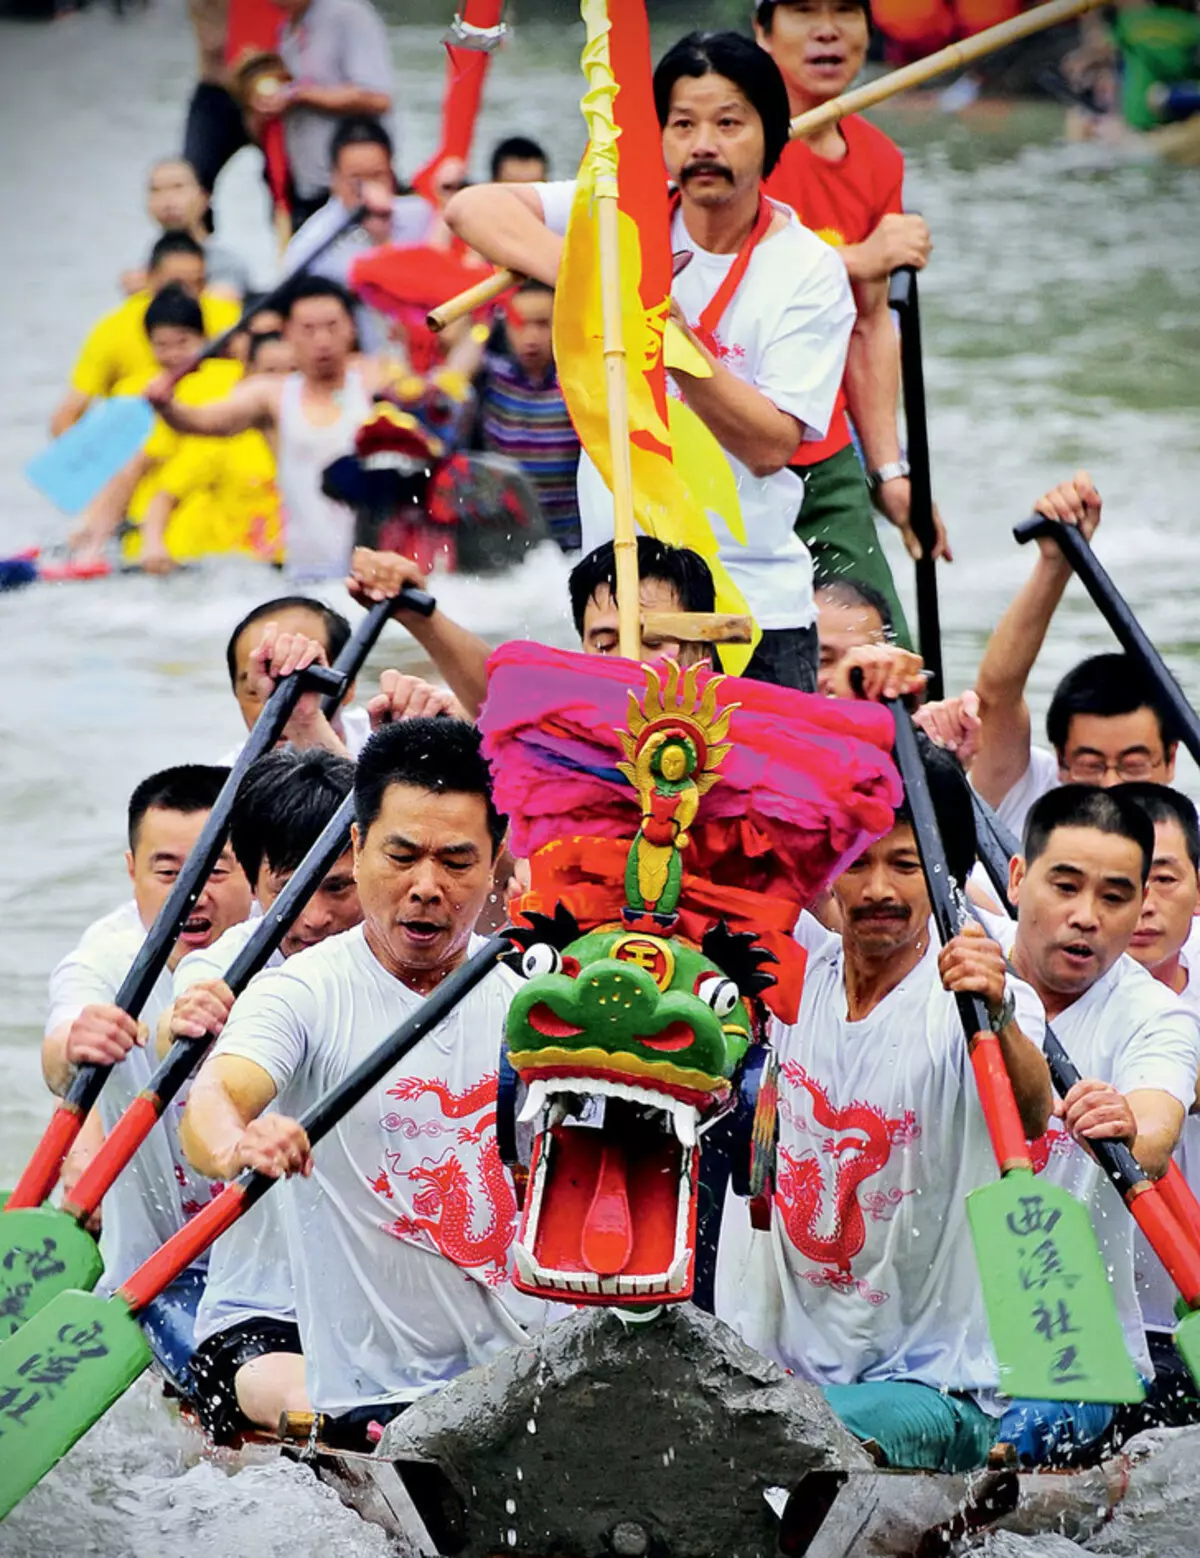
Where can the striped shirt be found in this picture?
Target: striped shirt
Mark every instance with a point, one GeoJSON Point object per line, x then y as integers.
{"type": "Point", "coordinates": [529, 423]}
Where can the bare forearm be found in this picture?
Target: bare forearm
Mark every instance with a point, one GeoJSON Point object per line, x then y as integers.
{"type": "Point", "coordinates": [873, 386]}
{"type": "Point", "coordinates": [1159, 1120]}
{"type": "Point", "coordinates": [742, 420]}
{"type": "Point", "coordinates": [1019, 636]}
{"type": "Point", "coordinates": [1030, 1077]}
{"type": "Point", "coordinates": [56, 1068]}
{"type": "Point", "coordinates": [345, 98]}
{"type": "Point", "coordinates": [503, 227]}
{"type": "Point", "coordinates": [212, 1126]}
{"type": "Point", "coordinates": [860, 263]}
{"type": "Point", "coordinates": [68, 411]}
{"type": "Point", "coordinates": [459, 655]}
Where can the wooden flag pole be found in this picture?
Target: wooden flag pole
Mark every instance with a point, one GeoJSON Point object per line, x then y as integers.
{"type": "Point", "coordinates": [629, 628]}
{"type": "Point", "coordinates": [854, 102]}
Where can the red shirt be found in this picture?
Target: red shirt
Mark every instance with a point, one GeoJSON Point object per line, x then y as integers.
{"type": "Point", "coordinates": [842, 202]}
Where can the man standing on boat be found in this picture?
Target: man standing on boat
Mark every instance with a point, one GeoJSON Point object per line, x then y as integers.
{"type": "Point", "coordinates": [845, 183]}
{"type": "Point", "coordinates": [310, 416]}
{"type": "Point", "coordinates": [768, 304]}
{"type": "Point", "coordinates": [399, 1229]}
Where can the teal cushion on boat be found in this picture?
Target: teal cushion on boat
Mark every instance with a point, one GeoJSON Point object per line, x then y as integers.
{"type": "Point", "coordinates": [915, 1426]}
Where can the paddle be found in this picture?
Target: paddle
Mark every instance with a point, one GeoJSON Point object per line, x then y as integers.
{"type": "Point", "coordinates": [902, 297]}
{"type": "Point", "coordinates": [72, 470]}
{"type": "Point", "coordinates": [1113, 608]}
{"type": "Point", "coordinates": [366, 634]}
{"type": "Point", "coordinates": [72, 1361]}
{"type": "Point", "coordinates": [41, 1174]}
{"type": "Point", "coordinates": [43, 1252]}
{"type": "Point", "coordinates": [1167, 1234]}
{"type": "Point", "coordinates": [995, 848]}
{"type": "Point", "coordinates": [1050, 1309]}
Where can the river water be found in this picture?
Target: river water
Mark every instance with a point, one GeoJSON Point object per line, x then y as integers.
{"type": "Point", "coordinates": [1062, 328]}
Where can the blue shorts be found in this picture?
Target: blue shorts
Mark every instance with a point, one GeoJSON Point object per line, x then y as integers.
{"type": "Point", "coordinates": [1047, 1431]}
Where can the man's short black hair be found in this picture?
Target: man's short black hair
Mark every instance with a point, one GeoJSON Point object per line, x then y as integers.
{"type": "Point", "coordinates": [315, 287]}
{"type": "Point", "coordinates": [283, 806]}
{"type": "Point", "coordinates": [173, 306]}
{"type": "Point", "coordinates": [853, 592]}
{"type": "Point", "coordinates": [531, 284]}
{"type": "Point", "coordinates": [764, 13]}
{"type": "Point", "coordinates": [1088, 806]}
{"type": "Point", "coordinates": [358, 130]}
{"type": "Point", "coordinates": [337, 629]}
{"type": "Point", "coordinates": [174, 242]}
{"type": "Point", "coordinates": [677, 566]}
{"type": "Point", "coordinates": [259, 339]}
{"type": "Point", "coordinates": [520, 149]}
{"type": "Point", "coordinates": [442, 755]}
{"type": "Point", "coordinates": [188, 788]}
{"type": "Point", "coordinates": [1105, 685]}
{"type": "Point", "coordinates": [1163, 804]}
{"type": "Point", "coordinates": [951, 797]}
{"type": "Point", "coordinates": [740, 60]}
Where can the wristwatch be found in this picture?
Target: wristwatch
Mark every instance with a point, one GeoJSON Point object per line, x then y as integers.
{"type": "Point", "coordinates": [889, 472]}
{"type": "Point", "coordinates": [1000, 1016]}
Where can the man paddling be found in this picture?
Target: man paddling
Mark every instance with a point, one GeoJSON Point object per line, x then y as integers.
{"type": "Point", "coordinates": [845, 182]}
{"type": "Point", "coordinates": [400, 1285]}
{"type": "Point", "coordinates": [148, 1204]}
{"type": "Point", "coordinates": [871, 1289]}
{"type": "Point", "coordinates": [767, 302]}
{"type": "Point", "coordinates": [1104, 723]}
{"type": "Point", "coordinates": [1079, 890]}
{"type": "Point", "coordinates": [249, 1367]}
{"type": "Point", "coordinates": [311, 416]}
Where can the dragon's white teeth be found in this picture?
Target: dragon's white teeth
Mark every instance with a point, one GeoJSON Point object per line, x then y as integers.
{"type": "Point", "coordinates": [684, 1118]}
{"type": "Point", "coordinates": [535, 1102]}
{"type": "Point", "coordinates": [526, 1265]}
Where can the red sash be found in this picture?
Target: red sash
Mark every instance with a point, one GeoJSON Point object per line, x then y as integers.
{"type": "Point", "coordinates": [705, 329]}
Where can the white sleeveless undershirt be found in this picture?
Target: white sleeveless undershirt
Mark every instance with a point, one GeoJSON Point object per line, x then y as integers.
{"type": "Point", "coordinates": [318, 533]}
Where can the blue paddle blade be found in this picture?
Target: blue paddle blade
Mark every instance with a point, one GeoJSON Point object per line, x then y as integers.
{"type": "Point", "coordinates": [75, 467]}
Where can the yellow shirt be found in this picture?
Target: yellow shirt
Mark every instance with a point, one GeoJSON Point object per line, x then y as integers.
{"type": "Point", "coordinates": [226, 499]}
{"type": "Point", "coordinates": [118, 348]}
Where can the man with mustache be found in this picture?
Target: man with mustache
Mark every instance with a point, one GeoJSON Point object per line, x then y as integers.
{"type": "Point", "coordinates": [870, 1288]}
{"type": "Point", "coordinates": [765, 300]}
{"type": "Point", "coordinates": [1080, 889]}
{"type": "Point", "coordinates": [845, 182]}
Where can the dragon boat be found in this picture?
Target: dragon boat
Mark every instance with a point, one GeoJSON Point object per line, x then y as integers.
{"type": "Point", "coordinates": [635, 1091]}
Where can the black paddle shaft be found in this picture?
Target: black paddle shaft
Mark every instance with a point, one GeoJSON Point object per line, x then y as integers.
{"type": "Point", "coordinates": [155, 950]}
{"type": "Point", "coordinates": [326, 1112]}
{"type": "Point", "coordinates": [971, 1008]}
{"type": "Point", "coordinates": [995, 849]}
{"type": "Point", "coordinates": [366, 635]}
{"type": "Point", "coordinates": [902, 296]}
{"type": "Point", "coordinates": [1114, 1157]}
{"type": "Point", "coordinates": [1113, 608]}
{"type": "Point", "coordinates": [185, 1054]}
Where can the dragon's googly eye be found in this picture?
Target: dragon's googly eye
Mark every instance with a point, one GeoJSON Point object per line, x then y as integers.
{"type": "Point", "coordinates": [541, 958]}
{"type": "Point", "coordinates": [719, 993]}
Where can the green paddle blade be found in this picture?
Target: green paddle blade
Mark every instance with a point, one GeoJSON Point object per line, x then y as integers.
{"type": "Point", "coordinates": [42, 1253]}
{"type": "Point", "coordinates": [1187, 1342]}
{"type": "Point", "coordinates": [58, 1376]}
{"type": "Point", "coordinates": [1049, 1305]}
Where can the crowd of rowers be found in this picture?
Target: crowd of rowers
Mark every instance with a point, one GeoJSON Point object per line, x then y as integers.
{"type": "Point", "coordinates": [360, 1285]}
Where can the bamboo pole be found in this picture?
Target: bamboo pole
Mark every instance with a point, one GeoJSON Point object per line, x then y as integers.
{"type": "Point", "coordinates": [953, 57]}
{"type": "Point", "coordinates": [854, 102]}
{"type": "Point", "coordinates": [629, 614]}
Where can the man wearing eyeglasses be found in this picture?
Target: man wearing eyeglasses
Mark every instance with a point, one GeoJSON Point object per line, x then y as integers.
{"type": "Point", "coordinates": [1103, 724]}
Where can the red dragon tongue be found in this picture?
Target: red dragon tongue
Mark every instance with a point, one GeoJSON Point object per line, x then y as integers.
{"type": "Point", "coordinates": [607, 1240]}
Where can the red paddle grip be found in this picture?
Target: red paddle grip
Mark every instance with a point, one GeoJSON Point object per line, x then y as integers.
{"type": "Point", "coordinates": [999, 1103]}
{"type": "Point", "coordinates": [41, 1172]}
{"type": "Point", "coordinates": [126, 1136]}
{"type": "Point", "coordinates": [182, 1248]}
{"type": "Point", "coordinates": [1181, 1199]}
{"type": "Point", "coordinates": [1168, 1240]}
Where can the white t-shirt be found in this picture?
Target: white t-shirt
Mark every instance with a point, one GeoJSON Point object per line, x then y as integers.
{"type": "Point", "coordinates": [401, 1240]}
{"type": "Point", "coordinates": [1156, 1292]}
{"type": "Point", "coordinates": [1039, 778]}
{"type": "Point", "coordinates": [159, 1190]}
{"type": "Point", "coordinates": [1135, 1033]}
{"type": "Point", "coordinates": [785, 331]}
{"type": "Point", "coordinates": [353, 725]}
{"type": "Point", "coordinates": [249, 1274]}
{"type": "Point", "coordinates": [869, 1270]}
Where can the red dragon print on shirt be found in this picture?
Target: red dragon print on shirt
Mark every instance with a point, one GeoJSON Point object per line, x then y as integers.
{"type": "Point", "coordinates": [859, 1144]}
{"type": "Point", "coordinates": [451, 1192]}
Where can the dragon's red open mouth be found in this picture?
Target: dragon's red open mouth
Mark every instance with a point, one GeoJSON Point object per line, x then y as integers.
{"type": "Point", "coordinates": [610, 1210]}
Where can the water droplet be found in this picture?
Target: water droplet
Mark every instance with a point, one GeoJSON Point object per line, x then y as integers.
{"type": "Point", "coordinates": [531, 1426]}
{"type": "Point", "coordinates": [512, 1537]}
{"type": "Point", "coordinates": [520, 1475]}
{"type": "Point", "coordinates": [510, 1506]}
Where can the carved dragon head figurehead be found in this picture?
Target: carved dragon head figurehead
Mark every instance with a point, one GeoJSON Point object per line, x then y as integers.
{"type": "Point", "coordinates": [630, 1037]}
